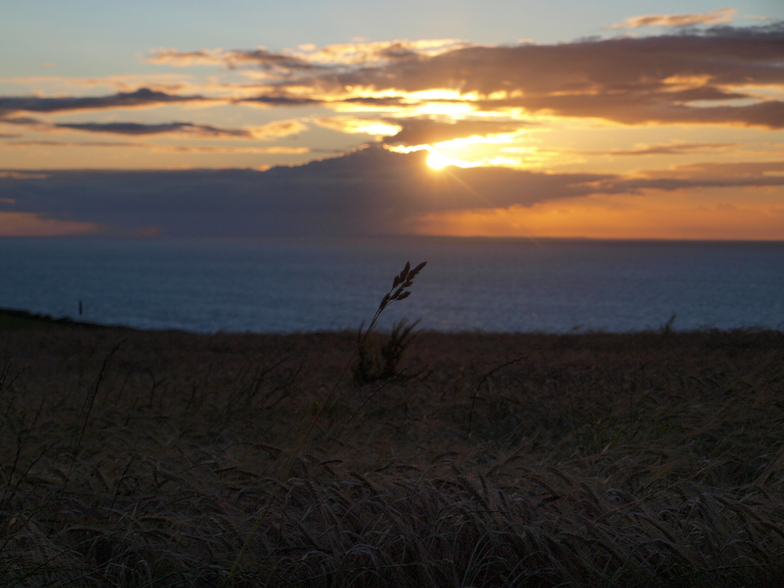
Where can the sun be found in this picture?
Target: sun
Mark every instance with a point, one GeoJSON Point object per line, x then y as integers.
{"type": "Point", "coordinates": [437, 160]}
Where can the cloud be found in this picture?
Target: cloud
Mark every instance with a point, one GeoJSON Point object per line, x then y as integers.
{"type": "Point", "coordinates": [371, 191]}
{"type": "Point", "coordinates": [280, 100]}
{"type": "Point", "coordinates": [749, 170]}
{"type": "Point", "coordinates": [659, 215]}
{"type": "Point", "coordinates": [712, 76]}
{"type": "Point", "coordinates": [425, 131]}
{"type": "Point", "coordinates": [160, 148]}
{"type": "Point", "coordinates": [633, 81]}
{"type": "Point", "coordinates": [376, 101]}
{"type": "Point", "coordinates": [446, 89]}
{"type": "Point", "coordinates": [352, 125]}
{"type": "Point", "coordinates": [278, 150]}
{"type": "Point", "coordinates": [278, 129]}
{"type": "Point", "coordinates": [270, 131]}
{"type": "Point", "coordinates": [28, 224]}
{"type": "Point", "coordinates": [173, 83]}
{"type": "Point", "coordinates": [55, 143]}
{"type": "Point", "coordinates": [273, 130]}
{"type": "Point", "coordinates": [309, 58]}
{"type": "Point", "coordinates": [677, 20]}
{"type": "Point", "coordinates": [23, 121]}
{"type": "Point", "coordinates": [364, 53]}
{"type": "Point", "coordinates": [140, 98]}
{"type": "Point", "coordinates": [139, 129]}
{"type": "Point", "coordinates": [367, 192]}
{"type": "Point", "coordinates": [17, 175]}
{"type": "Point", "coordinates": [260, 57]}
{"type": "Point", "coordinates": [665, 149]}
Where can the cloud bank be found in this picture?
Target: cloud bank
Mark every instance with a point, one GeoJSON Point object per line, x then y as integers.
{"type": "Point", "coordinates": [591, 109]}
{"type": "Point", "coordinates": [371, 191]}
{"type": "Point", "coordinates": [693, 77]}
{"type": "Point", "coordinates": [723, 75]}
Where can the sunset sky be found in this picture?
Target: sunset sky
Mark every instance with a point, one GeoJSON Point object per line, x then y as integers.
{"type": "Point", "coordinates": [346, 118]}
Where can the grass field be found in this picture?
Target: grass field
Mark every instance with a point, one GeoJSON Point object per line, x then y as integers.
{"type": "Point", "coordinates": [132, 458]}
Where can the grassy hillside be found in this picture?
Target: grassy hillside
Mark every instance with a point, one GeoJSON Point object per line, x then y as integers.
{"type": "Point", "coordinates": [21, 320]}
{"type": "Point", "coordinates": [132, 458]}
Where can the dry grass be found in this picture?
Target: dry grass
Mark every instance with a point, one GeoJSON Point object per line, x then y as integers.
{"type": "Point", "coordinates": [134, 458]}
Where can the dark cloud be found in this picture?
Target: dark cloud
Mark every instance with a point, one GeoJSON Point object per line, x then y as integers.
{"type": "Point", "coordinates": [275, 150]}
{"type": "Point", "coordinates": [275, 100]}
{"type": "Point", "coordinates": [141, 97]}
{"type": "Point", "coordinates": [270, 131]}
{"type": "Point", "coordinates": [710, 170]}
{"type": "Point", "coordinates": [425, 131]}
{"type": "Point", "coordinates": [268, 60]}
{"type": "Point", "coordinates": [690, 77]}
{"type": "Point", "coordinates": [54, 143]}
{"type": "Point", "coordinates": [373, 101]}
{"type": "Point", "coordinates": [399, 52]}
{"type": "Point", "coordinates": [368, 192]}
{"type": "Point", "coordinates": [371, 191]}
{"type": "Point", "coordinates": [728, 56]}
{"type": "Point", "coordinates": [649, 108]}
{"type": "Point", "coordinates": [20, 120]}
{"type": "Point", "coordinates": [261, 58]}
{"type": "Point", "coordinates": [670, 184]}
{"type": "Point", "coordinates": [129, 128]}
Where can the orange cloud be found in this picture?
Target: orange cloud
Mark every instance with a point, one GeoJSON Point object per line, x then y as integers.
{"type": "Point", "coordinates": [707, 215]}
{"type": "Point", "coordinates": [677, 20]}
{"type": "Point", "coordinates": [31, 224]}
{"type": "Point", "coordinates": [347, 124]}
{"type": "Point", "coordinates": [277, 129]}
{"type": "Point", "coordinates": [309, 57]}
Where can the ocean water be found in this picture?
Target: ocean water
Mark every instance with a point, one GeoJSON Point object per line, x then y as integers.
{"type": "Point", "coordinates": [469, 284]}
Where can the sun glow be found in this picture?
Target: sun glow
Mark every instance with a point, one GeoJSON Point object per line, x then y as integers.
{"type": "Point", "coordinates": [437, 160]}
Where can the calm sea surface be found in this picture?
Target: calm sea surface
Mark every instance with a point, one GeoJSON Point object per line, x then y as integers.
{"type": "Point", "coordinates": [491, 285]}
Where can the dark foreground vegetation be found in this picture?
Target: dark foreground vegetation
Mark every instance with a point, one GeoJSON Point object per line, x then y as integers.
{"type": "Point", "coordinates": [132, 458]}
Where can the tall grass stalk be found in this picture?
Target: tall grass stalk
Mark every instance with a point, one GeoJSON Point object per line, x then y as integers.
{"type": "Point", "coordinates": [88, 410]}
{"type": "Point", "coordinates": [398, 292]}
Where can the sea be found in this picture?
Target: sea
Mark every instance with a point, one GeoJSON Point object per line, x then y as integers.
{"type": "Point", "coordinates": [468, 284]}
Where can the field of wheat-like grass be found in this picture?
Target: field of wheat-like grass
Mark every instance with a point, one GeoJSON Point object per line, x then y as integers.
{"type": "Point", "coordinates": [132, 458]}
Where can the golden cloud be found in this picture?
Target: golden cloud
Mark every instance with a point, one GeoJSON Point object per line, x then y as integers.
{"type": "Point", "coordinates": [347, 124]}
{"type": "Point", "coordinates": [677, 20]}
{"type": "Point", "coordinates": [277, 129]}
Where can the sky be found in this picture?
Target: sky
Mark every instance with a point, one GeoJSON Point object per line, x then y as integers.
{"type": "Point", "coordinates": [609, 119]}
